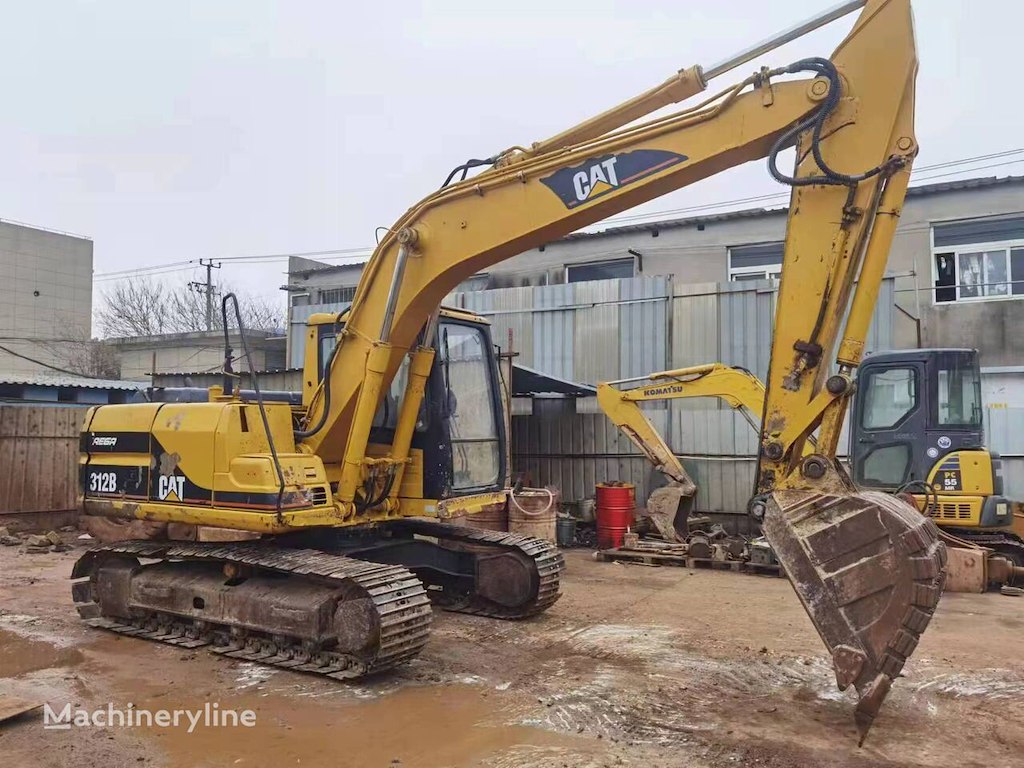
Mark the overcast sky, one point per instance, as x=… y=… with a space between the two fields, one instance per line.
x=174 y=131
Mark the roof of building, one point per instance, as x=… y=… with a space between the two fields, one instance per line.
x=921 y=190
x=67 y=380
x=37 y=227
x=355 y=261
x=218 y=336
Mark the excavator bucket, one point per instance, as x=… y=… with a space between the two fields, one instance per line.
x=869 y=569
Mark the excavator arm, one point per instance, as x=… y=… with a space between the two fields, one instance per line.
x=868 y=572
x=736 y=387
x=671 y=505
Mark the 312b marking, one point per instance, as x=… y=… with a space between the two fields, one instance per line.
x=103 y=482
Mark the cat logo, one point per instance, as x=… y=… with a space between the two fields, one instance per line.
x=171 y=488
x=600 y=179
x=598 y=176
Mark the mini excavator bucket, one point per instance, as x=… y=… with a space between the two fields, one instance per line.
x=869 y=569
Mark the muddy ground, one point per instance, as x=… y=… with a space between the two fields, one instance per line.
x=635 y=666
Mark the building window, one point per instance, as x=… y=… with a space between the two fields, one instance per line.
x=600 y=270
x=978 y=260
x=337 y=295
x=762 y=261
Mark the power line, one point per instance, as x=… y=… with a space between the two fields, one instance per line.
x=780 y=195
x=343 y=253
x=47 y=365
x=331 y=254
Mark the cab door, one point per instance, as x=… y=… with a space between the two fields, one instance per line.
x=890 y=420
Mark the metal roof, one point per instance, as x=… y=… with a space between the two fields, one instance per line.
x=356 y=261
x=66 y=380
x=922 y=190
x=527 y=381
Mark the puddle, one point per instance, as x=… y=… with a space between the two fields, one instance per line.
x=19 y=655
x=453 y=725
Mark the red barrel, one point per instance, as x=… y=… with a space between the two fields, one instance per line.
x=616 y=503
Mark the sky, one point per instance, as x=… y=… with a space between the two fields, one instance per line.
x=171 y=132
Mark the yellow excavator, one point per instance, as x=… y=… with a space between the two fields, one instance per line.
x=349 y=498
x=916 y=428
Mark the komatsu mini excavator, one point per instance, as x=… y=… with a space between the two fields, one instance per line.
x=350 y=513
x=915 y=429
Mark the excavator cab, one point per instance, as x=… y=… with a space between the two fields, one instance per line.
x=459 y=444
x=912 y=409
x=917 y=426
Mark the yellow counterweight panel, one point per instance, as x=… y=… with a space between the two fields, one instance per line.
x=967 y=472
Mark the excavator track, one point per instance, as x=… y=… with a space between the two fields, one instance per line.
x=1005 y=544
x=547 y=562
x=378 y=616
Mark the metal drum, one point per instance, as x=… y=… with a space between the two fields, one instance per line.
x=532 y=512
x=565 y=528
x=616 y=503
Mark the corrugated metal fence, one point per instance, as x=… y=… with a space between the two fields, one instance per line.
x=39 y=458
x=613 y=329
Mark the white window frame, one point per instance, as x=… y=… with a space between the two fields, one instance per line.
x=341 y=289
x=957 y=250
x=764 y=272
x=597 y=262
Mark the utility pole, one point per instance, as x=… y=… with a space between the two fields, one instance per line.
x=207 y=289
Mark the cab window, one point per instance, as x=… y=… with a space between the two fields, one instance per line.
x=387 y=413
x=889 y=396
x=959 y=400
x=472 y=421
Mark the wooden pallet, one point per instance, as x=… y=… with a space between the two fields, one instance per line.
x=644 y=556
x=677 y=557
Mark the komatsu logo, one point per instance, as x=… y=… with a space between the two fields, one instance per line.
x=669 y=390
x=104 y=442
x=598 y=176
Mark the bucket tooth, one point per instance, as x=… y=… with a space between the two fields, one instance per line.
x=869 y=569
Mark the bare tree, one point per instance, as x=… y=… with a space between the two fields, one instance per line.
x=260 y=313
x=136 y=307
x=95 y=358
x=141 y=307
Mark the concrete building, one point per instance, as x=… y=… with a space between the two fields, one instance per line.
x=196 y=351
x=957 y=260
x=45 y=298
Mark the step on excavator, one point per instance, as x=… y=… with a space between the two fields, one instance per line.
x=348 y=498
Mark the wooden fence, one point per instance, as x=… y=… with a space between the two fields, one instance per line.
x=38 y=458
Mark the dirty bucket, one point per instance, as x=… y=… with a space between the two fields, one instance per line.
x=532 y=512
x=565 y=530
x=616 y=503
x=585 y=507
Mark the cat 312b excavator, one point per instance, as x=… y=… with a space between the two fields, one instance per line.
x=351 y=514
